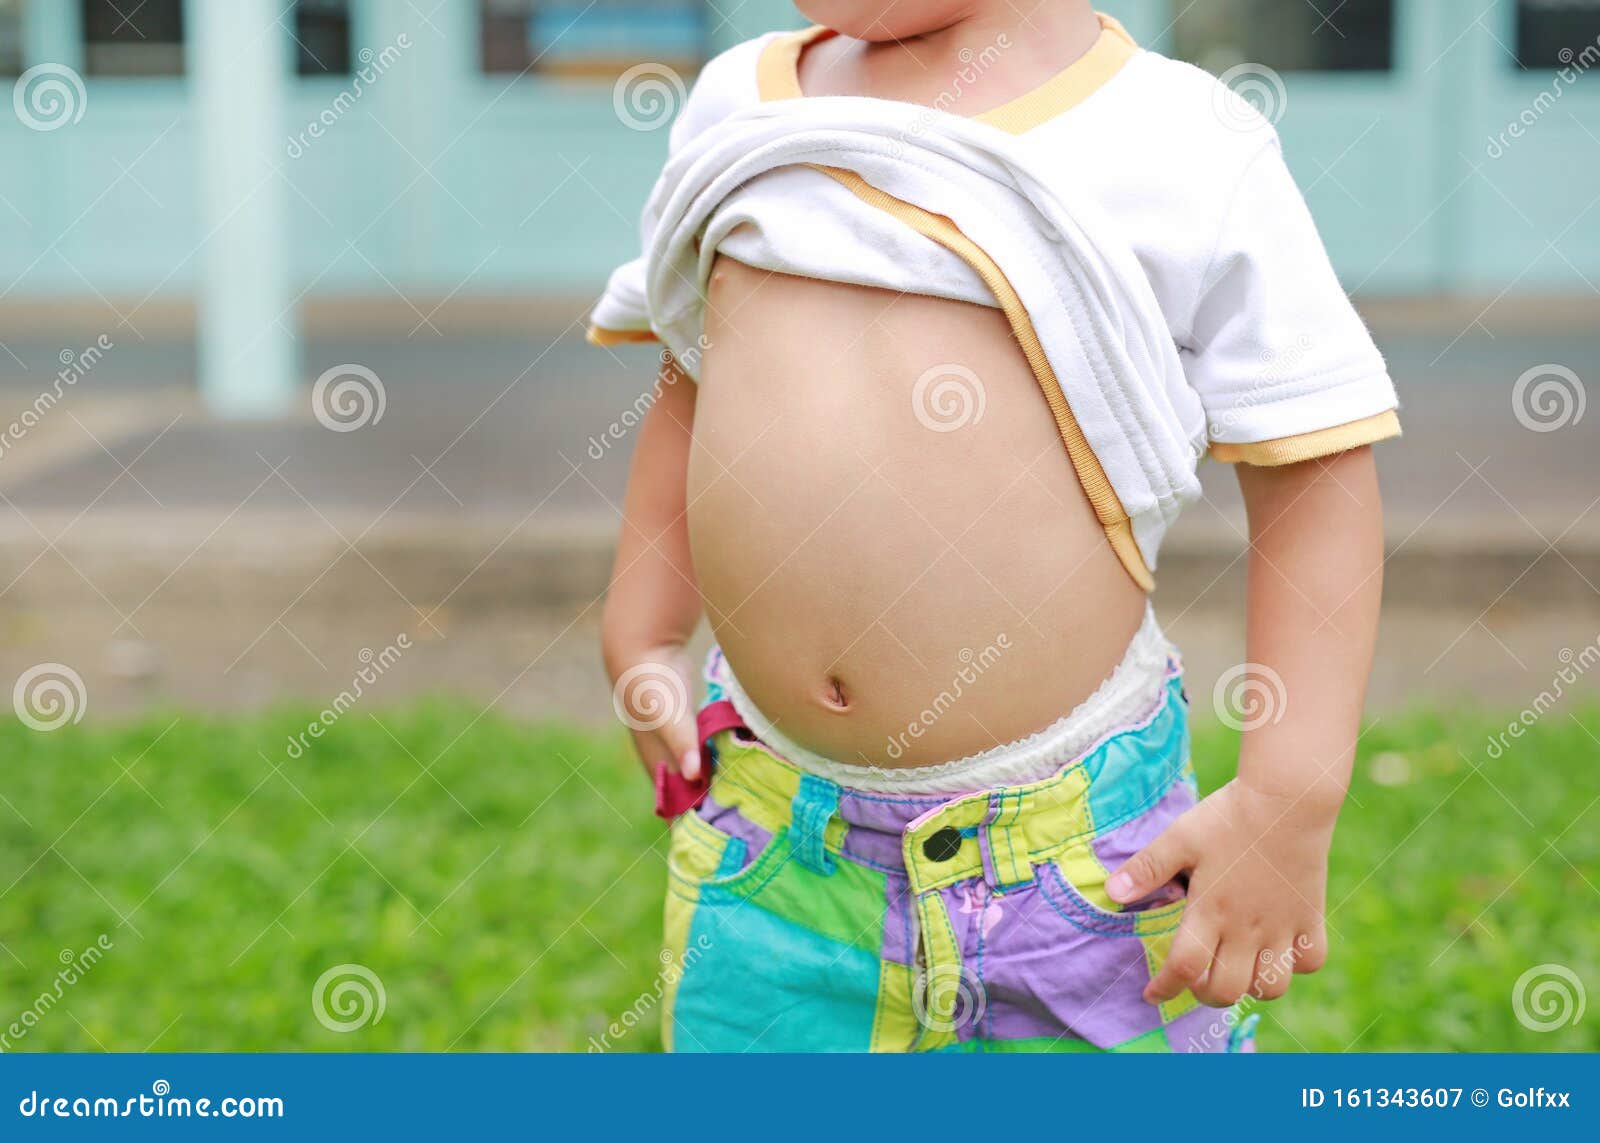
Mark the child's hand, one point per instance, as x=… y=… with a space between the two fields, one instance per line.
x=653 y=694
x=1258 y=868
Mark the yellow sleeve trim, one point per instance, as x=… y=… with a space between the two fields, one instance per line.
x=1091 y=474
x=600 y=336
x=1309 y=446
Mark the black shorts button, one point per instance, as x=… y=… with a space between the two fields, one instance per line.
x=942 y=845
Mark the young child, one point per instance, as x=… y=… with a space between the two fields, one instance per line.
x=953 y=299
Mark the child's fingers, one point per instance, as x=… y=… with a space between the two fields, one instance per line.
x=1150 y=868
x=681 y=742
x=1232 y=970
x=1187 y=961
x=651 y=750
x=1311 y=950
x=1274 y=971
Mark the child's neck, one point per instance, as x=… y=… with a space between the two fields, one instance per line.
x=990 y=55
x=1067 y=27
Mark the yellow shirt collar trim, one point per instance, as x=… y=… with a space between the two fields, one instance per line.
x=778 y=77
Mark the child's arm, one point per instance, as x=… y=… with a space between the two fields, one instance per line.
x=1257 y=849
x=653 y=604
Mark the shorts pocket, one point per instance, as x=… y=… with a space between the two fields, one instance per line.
x=701 y=859
x=1153 y=922
x=1074 y=904
x=703 y=855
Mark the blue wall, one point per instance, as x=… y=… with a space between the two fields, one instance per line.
x=441 y=179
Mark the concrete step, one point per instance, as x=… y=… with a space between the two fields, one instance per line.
x=129 y=558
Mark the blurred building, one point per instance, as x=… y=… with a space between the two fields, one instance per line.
x=442 y=147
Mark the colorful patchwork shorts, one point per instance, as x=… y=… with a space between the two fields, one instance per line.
x=804 y=915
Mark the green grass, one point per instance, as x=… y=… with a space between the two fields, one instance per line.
x=508 y=897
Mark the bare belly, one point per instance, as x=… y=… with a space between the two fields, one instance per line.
x=886 y=528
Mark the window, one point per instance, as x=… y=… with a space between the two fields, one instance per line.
x=10 y=37
x=1555 y=33
x=603 y=38
x=1299 y=35
x=322 y=37
x=121 y=38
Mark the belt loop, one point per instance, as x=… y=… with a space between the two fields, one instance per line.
x=815 y=803
x=1006 y=858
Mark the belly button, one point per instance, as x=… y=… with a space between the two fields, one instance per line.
x=834 y=697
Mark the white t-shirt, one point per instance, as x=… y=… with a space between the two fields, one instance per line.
x=1187 y=172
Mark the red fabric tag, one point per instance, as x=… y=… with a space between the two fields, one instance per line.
x=675 y=794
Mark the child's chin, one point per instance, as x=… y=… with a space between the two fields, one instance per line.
x=880 y=22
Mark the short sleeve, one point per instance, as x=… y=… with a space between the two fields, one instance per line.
x=724 y=84
x=1283 y=364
